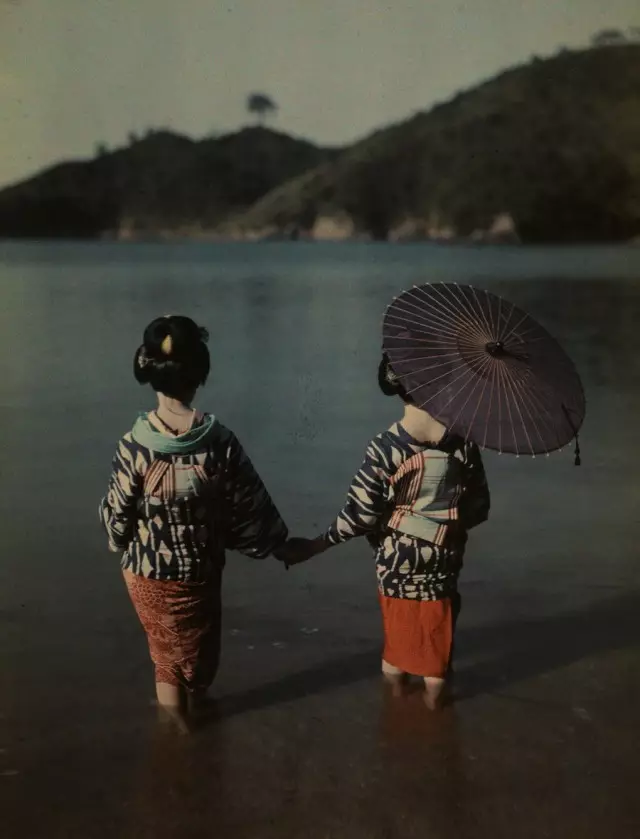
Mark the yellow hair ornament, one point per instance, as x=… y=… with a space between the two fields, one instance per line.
x=167 y=345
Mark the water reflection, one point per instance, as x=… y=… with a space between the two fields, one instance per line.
x=173 y=779
x=425 y=767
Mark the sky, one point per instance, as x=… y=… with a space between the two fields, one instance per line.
x=74 y=73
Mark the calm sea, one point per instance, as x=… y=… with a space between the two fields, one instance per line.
x=295 y=336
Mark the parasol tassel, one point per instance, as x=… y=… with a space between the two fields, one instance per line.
x=577 y=461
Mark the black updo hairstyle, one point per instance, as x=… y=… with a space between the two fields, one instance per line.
x=173 y=357
x=389 y=383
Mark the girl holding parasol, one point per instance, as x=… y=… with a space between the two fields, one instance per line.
x=415 y=497
x=472 y=370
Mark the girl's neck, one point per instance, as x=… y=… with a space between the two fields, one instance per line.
x=422 y=426
x=175 y=407
x=176 y=415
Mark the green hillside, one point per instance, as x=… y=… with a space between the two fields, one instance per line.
x=164 y=182
x=545 y=152
x=551 y=149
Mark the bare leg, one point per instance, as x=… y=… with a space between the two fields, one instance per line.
x=433 y=692
x=172 y=706
x=394 y=676
x=170 y=697
x=390 y=672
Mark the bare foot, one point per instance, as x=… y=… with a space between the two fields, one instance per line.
x=434 y=691
x=394 y=677
x=175 y=718
x=433 y=703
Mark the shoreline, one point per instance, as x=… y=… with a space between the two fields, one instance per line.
x=160 y=238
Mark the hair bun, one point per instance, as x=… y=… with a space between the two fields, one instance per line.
x=387 y=380
x=142 y=365
x=173 y=356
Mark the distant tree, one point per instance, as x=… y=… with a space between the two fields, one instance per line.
x=609 y=38
x=261 y=105
x=101 y=149
x=133 y=138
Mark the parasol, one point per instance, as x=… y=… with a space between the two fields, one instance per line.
x=484 y=368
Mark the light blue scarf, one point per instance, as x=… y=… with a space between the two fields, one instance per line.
x=191 y=441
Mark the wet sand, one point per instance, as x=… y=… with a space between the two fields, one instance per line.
x=543 y=738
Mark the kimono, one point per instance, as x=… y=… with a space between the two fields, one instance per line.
x=175 y=504
x=415 y=503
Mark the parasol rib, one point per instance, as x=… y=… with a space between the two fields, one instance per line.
x=466 y=402
x=437 y=316
x=463 y=366
x=495 y=381
x=523 y=393
x=456 y=317
x=520 y=381
x=512 y=331
x=463 y=313
x=542 y=408
x=456 y=293
x=502 y=392
x=493 y=329
x=403 y=321
x=425 y=358
x=481 y=310
x=507 y=322
x=507 y=378
x=472 y=376
x=479 y=402
x=405 y=333
x=410 y=317
x=535 y=327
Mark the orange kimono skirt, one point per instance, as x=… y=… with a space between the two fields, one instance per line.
x=418 y=635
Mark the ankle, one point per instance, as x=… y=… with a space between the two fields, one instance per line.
x=434 y=689
x=171 y=697
x=391 y=669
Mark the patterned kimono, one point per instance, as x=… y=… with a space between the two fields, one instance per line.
x=174 y=505
x=415 y=503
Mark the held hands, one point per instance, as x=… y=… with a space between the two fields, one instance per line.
x=297 y=550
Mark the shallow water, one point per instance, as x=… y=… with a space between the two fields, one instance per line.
x=548 y=648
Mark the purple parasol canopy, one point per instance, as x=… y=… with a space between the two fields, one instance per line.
x=484 y=368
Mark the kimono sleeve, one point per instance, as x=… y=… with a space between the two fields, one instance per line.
x=118 y=509
x=255 y=527
x=475 y=502
x=366 y=503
